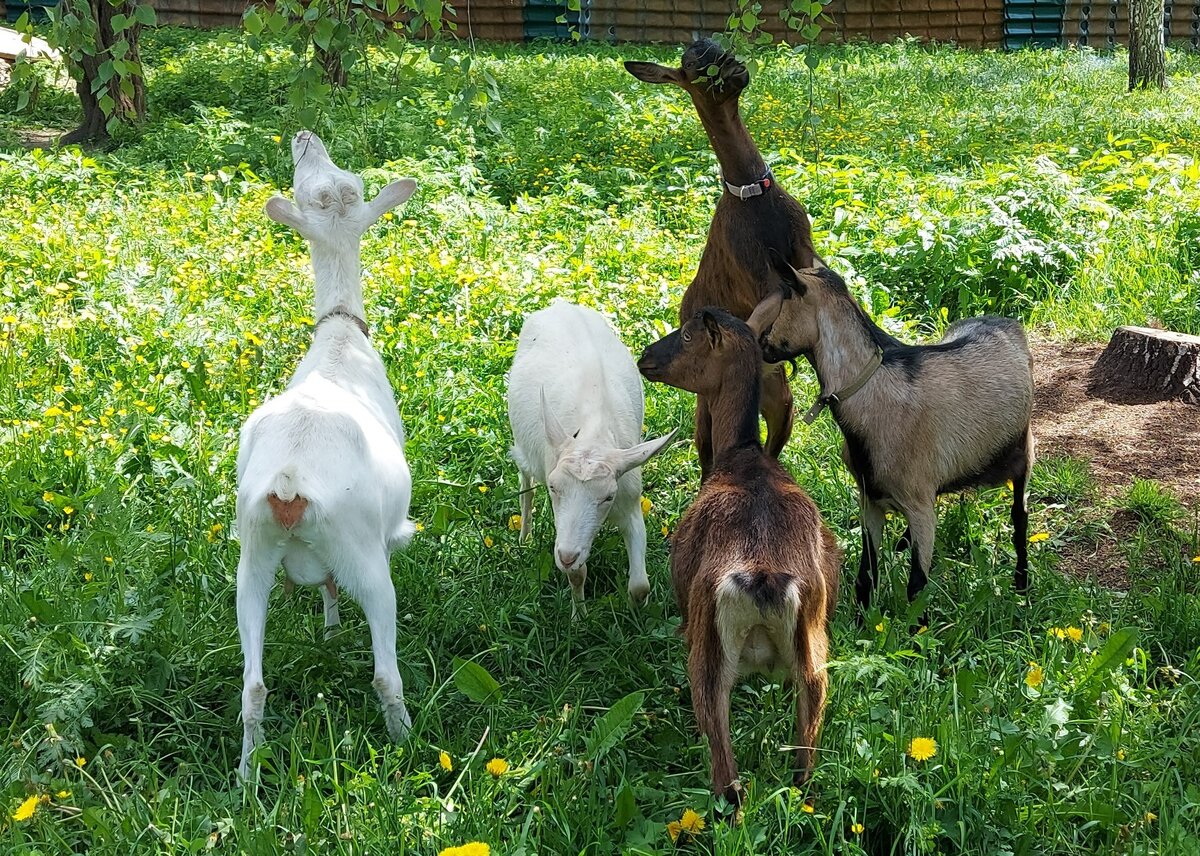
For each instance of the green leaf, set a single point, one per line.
(1112, 655)
(473, 681)
(119, 22)
(252, 21)
(626, 806)
(323, 33)
(611, 727)
(145, 15)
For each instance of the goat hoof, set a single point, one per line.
(638, 596)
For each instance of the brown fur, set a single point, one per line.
(735, 272)
(288, 512)
(753, 534)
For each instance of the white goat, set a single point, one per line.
(575, 405)
(323, 486)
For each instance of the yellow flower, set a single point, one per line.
(1038, 537)
(68, 510)
(487, 541)
(26, 809)
(691, 822)
(471, 848)
(514, 522)
(88, 576)
(444, 760)
(646, 505)
(1057, 633)
(62, 795)
(1151, 817)
(497, 767)
(807, 808)
(857, 828)
(483, 488)
(879, 627)
(80, 761)
(53, 411)
(47, 497)
(1075, 634)
(665, 531)
(922, 748)
(1035, 676)
(1196, 559)
(1120, 754)
(1010, 484)
(673, 829)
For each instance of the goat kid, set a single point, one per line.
(918, 420)
(323, 485)
(754, 568)
(754, 216)
(576, 406)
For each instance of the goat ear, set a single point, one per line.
(284, 211)
(625, 460)
(712, 326)
(765, 313)
(390, 197)
(787, 273)
(556, 435)
(652, 72)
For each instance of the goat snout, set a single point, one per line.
(567, 559)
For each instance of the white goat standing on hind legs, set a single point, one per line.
(575, 404)
(323, 486)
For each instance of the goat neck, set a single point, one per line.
(337, 272)
(845, 345)
(739, 157)
(734, 407)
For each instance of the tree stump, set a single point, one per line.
(1142, 365)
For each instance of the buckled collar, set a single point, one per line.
(829, 398)
(343, 312)
(748, 191)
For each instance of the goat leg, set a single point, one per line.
(777, 409)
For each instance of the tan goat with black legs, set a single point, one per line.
(754, 216)
(918, 420)
(755, 570)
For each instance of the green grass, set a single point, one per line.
(147, 306)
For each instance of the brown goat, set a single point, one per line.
(754, 216)
(755, 569)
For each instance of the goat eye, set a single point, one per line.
(610, 497)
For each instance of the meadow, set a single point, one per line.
(147, 305)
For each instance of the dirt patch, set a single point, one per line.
(1120, 441)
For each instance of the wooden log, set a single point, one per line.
(1143, 365)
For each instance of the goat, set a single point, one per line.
(754, 568)
(571, 370)
(754, 216)
(323, 485)
(918, 420)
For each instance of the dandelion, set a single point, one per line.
(80, 761)
(514, 522)
(1075, 634)
(1039, 537)
(445, 762)
(807, 808)
(26, 809)
(1010, 484)
(62, 795)
(213, 532)
(487, 541)
(483, 488)
(1057, 633)
(1035, 676)
(857, 828)
(497, 767)
(1196, 560)
(471, 848)
(88, 576)
(879, 627)
(665, 531)
(1151, 817)
(53, 411)
(1120, 754)
(646, 505)
(47, 497)
(922, 748)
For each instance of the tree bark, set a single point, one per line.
(1147, 45)
(1141, 365)
(129, 107)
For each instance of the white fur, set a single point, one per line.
(334, 438)
(575, 406)
(754, 640)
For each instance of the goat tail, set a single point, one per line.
(403, 535)
(287, 505)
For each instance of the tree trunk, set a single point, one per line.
(129, 106)
(1141, 366)
(1147, 51)
(335, 70)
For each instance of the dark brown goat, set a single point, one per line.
(755, 569)
(754, 216)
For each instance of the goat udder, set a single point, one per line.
(287, 513)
